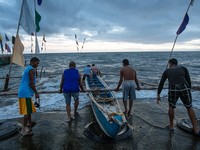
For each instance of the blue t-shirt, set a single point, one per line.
(71, 78)
(25, 91)
(87, 70)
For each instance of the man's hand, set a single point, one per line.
(158, 99)
(117, 89)
(37, 95)
(138, 88)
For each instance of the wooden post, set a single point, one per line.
(6, 83)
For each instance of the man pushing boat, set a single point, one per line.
(128, 79)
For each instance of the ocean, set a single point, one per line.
(149, 67)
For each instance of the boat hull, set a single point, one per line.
(110, 127)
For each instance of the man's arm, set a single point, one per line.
(32, 84)
(136, 81)
(187, 76)
(80, 82)
(61, 83)
(162, 81)
(160, 86)
(120, 81)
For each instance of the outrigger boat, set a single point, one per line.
(106, 108)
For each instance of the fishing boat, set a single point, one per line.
(106, 108)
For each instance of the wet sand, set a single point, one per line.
(149, 122)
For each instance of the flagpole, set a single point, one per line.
(36, 51)
(191, 2)
(11, 60)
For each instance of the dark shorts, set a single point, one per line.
(179, 91)
(86, 75)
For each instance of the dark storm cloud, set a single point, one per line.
(142, 21)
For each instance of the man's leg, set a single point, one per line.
(192, 116)
(76, 103)
(171, 117)
(125, 106)
(68, 109)
(26, 118)
(29, 118)
(130, 107)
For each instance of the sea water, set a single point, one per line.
(149, 67)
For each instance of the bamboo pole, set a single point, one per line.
(197, 88)
(57, 91)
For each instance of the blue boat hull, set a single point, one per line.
(111, 129)
(108, 126)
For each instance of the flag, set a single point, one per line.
(44, 38)
(191, 2)
(39, 2)
(31, 44)
(183, 24)
(37, 21)
(83, 43)
(76, 42)
(1, 43)
(13, 40)
(18, 57)
(37, 49)
(26, 19)
(7, 39)
(7, 47)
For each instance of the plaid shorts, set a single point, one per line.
(179, 91)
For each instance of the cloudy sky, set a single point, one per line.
(108, 25)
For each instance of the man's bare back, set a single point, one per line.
(128, 73)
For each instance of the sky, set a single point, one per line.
(107, 25)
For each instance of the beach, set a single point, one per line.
(149, 122)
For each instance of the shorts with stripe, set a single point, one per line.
(26, 106)
(180, 91)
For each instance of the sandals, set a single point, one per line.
(31, 124)
(169, 128)
(26, 131)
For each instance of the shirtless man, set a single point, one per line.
(129, 78)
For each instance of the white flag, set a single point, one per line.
(18, 57)
(26, 19)
(37, 49)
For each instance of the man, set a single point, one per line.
(95, 70)
(26, 91)
(87, 71)
(179, 87)
(129, 78)
(69, 85)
